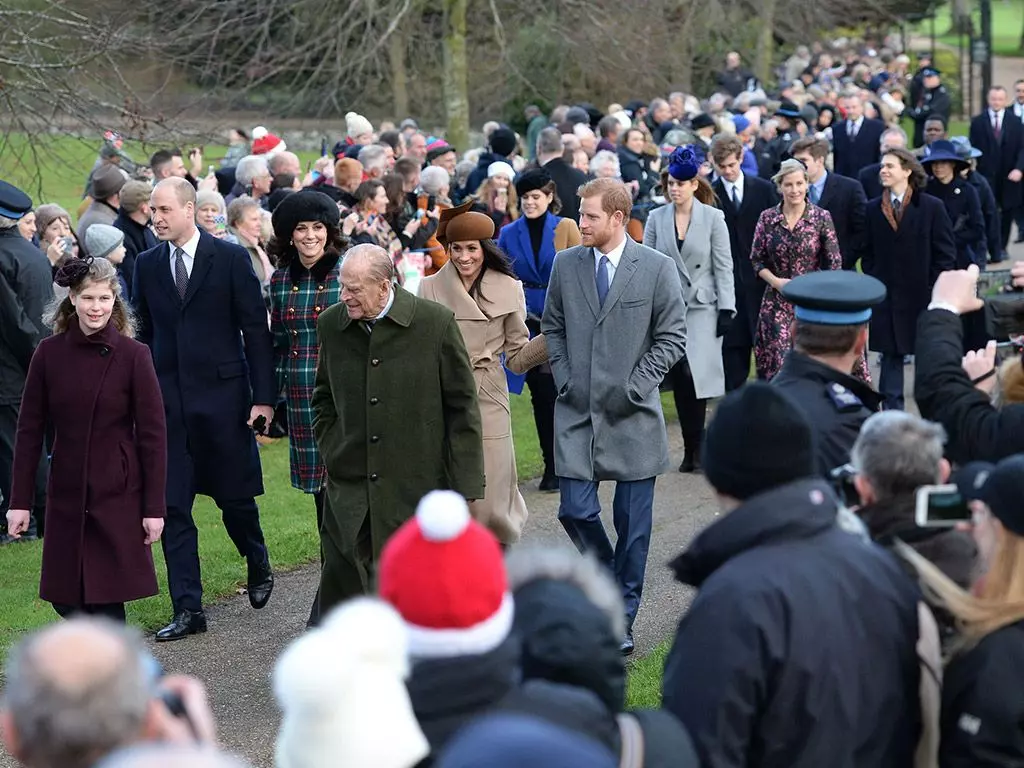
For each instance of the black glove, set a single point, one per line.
(724, 322)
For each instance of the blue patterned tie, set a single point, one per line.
(180, 273)
(602, 279)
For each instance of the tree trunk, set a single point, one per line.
(765, 41)
(399, 76)
(960, 17)
(456, 76)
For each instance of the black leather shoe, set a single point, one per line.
(627, 643)
(691, 462)
(183, 624)
(260, 583)
(548, 484)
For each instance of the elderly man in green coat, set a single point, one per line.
(395, 415)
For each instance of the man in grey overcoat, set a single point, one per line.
(615, 323)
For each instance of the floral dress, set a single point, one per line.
(297, 297)
(811, 245)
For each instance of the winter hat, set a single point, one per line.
(684, 163)
(445, 575)
(512, 741)
(107, 182)
(304, 205)
(703, 120)
(501, 168)
(970, 479)
(101, 240)
(438, 148)
(211, 197)
(342, 691)
(503, 141)
(756, 415)
(531, 180)
(134, 193)
(461, 223)
(357, 125)
(1003, 492)
(266, 143)
(740, 122)
(49, 213)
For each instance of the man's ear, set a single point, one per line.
(945, 470)
(9, 736)
(864, 490)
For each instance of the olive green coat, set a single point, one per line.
(395, 414)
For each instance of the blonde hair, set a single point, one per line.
(792, 165)
(61, 311)
(485, 193)
(1000, 598)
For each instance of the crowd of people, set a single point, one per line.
(381, 309)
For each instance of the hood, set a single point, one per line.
(566, 639)
(798, 510)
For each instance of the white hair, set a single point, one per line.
(373, 157)
(249, 167)
(433, 179)
(582, 131)
(604, 159)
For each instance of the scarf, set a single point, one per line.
(887, 211)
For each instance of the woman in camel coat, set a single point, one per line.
(479, 286)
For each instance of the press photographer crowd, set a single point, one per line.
(860, 594)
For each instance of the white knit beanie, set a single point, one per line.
(357, 125)
(342, 690)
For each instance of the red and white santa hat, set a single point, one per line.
(445, 574)
(266, 143)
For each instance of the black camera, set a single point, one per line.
(1004, 306)
(841, 480)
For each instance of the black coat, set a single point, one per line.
(935, 101)
(835, 403)
(567, 181)
(868, 178)
(214, 358)
(447, 693)
(634, 167)
(989, 211)
(850, 157)
(964, 209)
(26, 287)
(799, 649)
(1000, 157)
(983, 703)
(479, 174)
(758, 195)
(573, 674)
(977, 430)
(908, 261)
(772, 153)
(844, 199)
(137, 239)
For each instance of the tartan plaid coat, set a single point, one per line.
(297, 297)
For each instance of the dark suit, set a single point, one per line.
(567, 180)
(868, 178)
(999, 157)
(214, 358)
(849, 156)
(992, 244)
(844, 199)
(738, 344)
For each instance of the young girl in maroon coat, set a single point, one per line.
(105, 499)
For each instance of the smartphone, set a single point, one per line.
(993, 283)
(69, 245)
(940, 506)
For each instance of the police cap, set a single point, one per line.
(13, 202)
(837, 297)
(930, 72)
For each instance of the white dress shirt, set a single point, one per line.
(737, 185)
(613, 260)
(387, 305)
(993, 116)
(1018, 109)
(190, 253)
(855, 126)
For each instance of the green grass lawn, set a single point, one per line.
(1007, 20)
(643, 686)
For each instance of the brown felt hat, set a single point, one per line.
(461, 223)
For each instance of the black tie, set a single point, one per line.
(896, 207)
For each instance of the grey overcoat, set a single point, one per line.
(608, 362)
(705, 271)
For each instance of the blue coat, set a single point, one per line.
(799, 649)
(514, 240)
(214, 358)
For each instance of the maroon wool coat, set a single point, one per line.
(108, 469)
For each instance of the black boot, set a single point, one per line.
(691, 454)
(549, 483)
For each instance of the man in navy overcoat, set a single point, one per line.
(201, 311)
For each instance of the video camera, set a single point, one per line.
(1004, 306)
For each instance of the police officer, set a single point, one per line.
(934, 101)
(831, 310)
(770, 158)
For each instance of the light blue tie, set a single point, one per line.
(815, 195)
(602, 279)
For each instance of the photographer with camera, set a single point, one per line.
(945, 392)
(79, 690)
(895, 454)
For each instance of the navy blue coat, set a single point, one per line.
(758, 195)
(908, 261)
(849, 157)
(799, 649)
(868, 178)
(964, 209)
(1000, 157)
(214, 357)
(844, 199)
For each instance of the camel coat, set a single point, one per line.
(492, 325)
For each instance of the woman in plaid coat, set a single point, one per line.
(307, 245)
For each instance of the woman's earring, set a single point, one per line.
(291, 242)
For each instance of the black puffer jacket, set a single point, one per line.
(574, 676)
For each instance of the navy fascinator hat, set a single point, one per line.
(684, 163)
